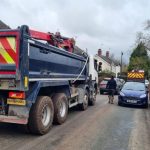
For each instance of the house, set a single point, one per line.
(107, 63)
(3, 25)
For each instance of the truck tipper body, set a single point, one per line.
(40, 81)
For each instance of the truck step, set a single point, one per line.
(73, 104)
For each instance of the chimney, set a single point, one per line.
(107, 54)
(99, 52)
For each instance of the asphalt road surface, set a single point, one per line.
(101, 127)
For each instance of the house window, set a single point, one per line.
(95, 64)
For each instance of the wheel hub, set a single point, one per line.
(62, 107)
(46, 115)
(85, 101)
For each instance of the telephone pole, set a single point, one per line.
(121, 62)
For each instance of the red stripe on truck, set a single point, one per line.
(2, 60)
(7, 72)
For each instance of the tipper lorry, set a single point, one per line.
(42, 75)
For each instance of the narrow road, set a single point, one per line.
(101, 127)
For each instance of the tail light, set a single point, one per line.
(20, 95)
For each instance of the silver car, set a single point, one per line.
(146, 83)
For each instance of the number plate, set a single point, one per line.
(16, 102)
(132, 101)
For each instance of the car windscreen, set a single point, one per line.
(136, 86)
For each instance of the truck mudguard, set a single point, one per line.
(32, 94)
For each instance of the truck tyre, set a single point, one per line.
(41, 115)
(84, 105)
(60, 102)
(93, 98)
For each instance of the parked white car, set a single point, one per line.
(146, 83)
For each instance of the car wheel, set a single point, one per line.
(101, 92)
(146, 105)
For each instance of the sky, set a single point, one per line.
(110, 25)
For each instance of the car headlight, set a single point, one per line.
(122, 94)
(143, 95)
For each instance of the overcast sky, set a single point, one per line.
(106, 24)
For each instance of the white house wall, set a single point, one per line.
(105, 65)
(113, 68)
(118, 69)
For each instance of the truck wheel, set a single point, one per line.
(60, 102)
(84, 105)
(93, 98)
(41, 115)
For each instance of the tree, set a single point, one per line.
(144, 36)
(114, 59)
(139, 59)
